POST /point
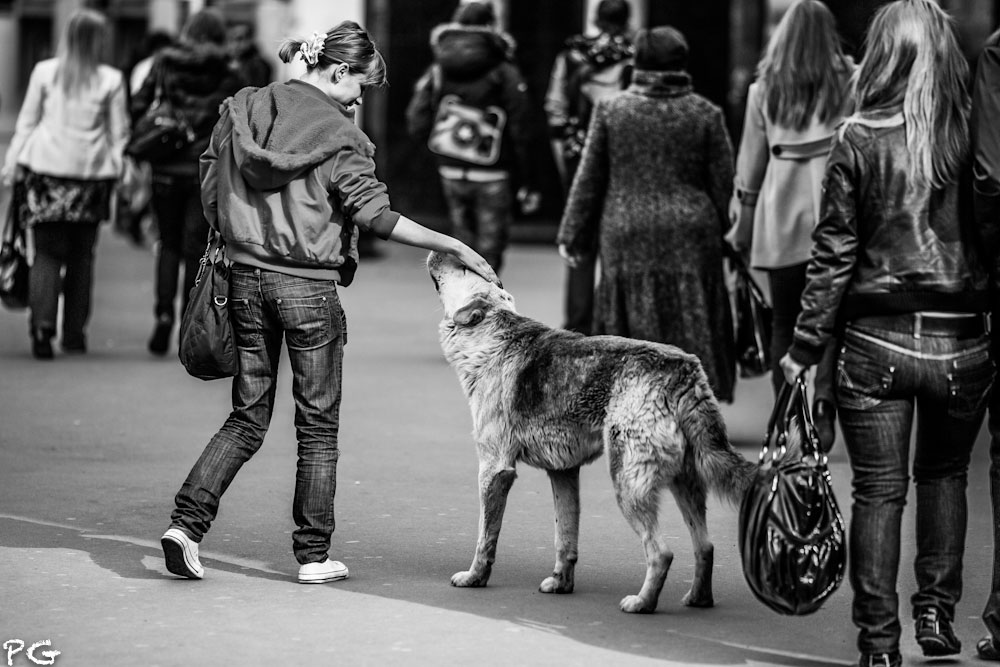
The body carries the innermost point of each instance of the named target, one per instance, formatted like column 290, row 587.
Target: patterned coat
column 652, row 189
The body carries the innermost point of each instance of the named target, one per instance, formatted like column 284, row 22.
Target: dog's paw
column 699, row 600
column 555, row 585
column 467, row 579
column 634, row 604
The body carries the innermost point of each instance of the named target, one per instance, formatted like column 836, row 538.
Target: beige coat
column 781, row 169
column 82, row 137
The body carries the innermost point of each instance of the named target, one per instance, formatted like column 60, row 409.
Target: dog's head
column 467, row 297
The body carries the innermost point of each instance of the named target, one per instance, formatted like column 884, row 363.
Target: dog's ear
column 472, row 313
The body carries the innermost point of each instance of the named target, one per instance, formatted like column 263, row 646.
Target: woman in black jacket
column 901, row 264
column 196, row 77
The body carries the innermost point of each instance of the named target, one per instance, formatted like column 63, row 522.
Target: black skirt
column 60, row 199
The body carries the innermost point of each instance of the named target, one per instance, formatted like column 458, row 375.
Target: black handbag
column 13, row 255
column 753, row 325
column 162, row 132
column 791, row 532
column 207, row 348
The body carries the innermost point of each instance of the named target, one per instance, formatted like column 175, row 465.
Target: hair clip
column 311, row 48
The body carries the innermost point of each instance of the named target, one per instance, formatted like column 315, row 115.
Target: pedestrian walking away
column 288, row 180
column 67, row 149
column 653, row 187
column 986, row 198
column 900, row 260
column 791, row 116
column 195, row 77
column 472, row 108
column 590, row 68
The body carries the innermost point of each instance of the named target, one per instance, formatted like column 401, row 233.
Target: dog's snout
column 437, row 286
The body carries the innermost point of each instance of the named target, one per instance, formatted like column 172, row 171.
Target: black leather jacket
column 884, row 244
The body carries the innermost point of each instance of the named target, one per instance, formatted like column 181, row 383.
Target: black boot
column 41, row 343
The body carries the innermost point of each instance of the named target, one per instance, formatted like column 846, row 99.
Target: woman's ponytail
column 288, row 50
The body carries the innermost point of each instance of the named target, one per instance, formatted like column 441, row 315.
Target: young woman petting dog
column 287, row 180
column 898, row 259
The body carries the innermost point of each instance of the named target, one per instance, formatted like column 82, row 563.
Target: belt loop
column 917, row 321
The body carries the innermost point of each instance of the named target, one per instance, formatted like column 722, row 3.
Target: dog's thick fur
column 557, row 400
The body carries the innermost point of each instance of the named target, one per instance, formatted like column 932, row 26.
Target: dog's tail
column 715, row 460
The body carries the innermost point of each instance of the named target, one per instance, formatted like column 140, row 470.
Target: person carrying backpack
column 588, row 69
column 471, row 107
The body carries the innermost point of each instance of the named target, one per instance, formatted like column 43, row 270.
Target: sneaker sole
column 936, row 648
column 322, row 579
column 176, row 559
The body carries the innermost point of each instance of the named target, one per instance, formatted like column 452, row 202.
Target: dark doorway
column 402, row 32
column 705, row 23
column 541, row 30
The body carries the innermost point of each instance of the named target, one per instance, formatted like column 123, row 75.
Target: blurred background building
column 725, row 38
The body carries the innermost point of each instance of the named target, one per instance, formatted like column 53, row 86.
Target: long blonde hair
column 912, row 56
column 803, row 70
column 81, row 50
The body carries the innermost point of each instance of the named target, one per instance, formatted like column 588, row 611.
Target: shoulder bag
column 207, row 347
column 13, row 254
column 163, row 131
column 791, row 533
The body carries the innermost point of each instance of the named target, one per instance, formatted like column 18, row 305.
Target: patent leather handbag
column 207, row 347
column 791, row 532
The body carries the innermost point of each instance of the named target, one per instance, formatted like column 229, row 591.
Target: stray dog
column 557, row 400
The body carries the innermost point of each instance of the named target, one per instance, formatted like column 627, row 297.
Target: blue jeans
column 481, row 215
column 884, row 372
column 265, row 307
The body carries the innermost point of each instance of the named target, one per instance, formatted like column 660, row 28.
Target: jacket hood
column 285, row 129
column 194, row 58
column 468, row 51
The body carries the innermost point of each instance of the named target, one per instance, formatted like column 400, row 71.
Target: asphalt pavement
column 93, row 447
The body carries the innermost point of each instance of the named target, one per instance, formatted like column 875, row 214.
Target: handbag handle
column 792, row 402
column 742, row 269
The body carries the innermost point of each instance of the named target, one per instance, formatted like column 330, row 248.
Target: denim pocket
column 862, row 380
column 246, row 323
column 969, row 382
column 309, row 322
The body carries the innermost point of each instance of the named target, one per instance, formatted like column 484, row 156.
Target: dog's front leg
column 495, row 480
column 566, row 496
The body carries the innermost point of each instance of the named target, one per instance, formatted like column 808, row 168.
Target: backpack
column 464, row 132
column 588, row 79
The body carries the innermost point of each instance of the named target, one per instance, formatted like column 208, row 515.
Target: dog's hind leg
column 566, row 496
column 690, row 497
column 495, row 480
column 637, row 489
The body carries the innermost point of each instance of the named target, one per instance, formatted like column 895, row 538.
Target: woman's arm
column 27, row 119
column 118, row 122
column 413, row 233
column 578, row 230
column 751, row 164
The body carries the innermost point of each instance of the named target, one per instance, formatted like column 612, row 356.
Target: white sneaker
column 181, row 554
column 322, row 573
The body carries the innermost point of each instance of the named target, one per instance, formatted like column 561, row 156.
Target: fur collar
column 660, row 84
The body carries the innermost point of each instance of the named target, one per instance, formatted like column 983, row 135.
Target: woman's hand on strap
column 791, row 368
